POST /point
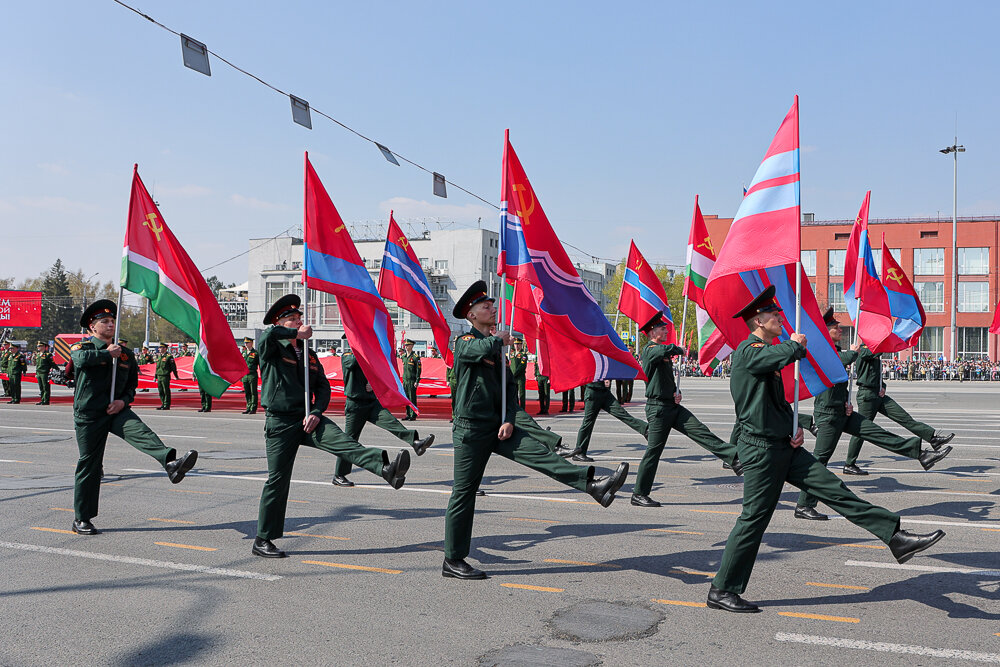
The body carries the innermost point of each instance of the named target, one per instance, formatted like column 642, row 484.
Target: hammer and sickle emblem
column 339, row 229
column 894, row 274
column 523, row 212
column 153, row 225
column 707, row 243
column 638, row 263
column 403, row 242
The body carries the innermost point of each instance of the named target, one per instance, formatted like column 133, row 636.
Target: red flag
column 642, row 294
column 906, row 316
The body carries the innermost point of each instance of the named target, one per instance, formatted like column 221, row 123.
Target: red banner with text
column 20, row 309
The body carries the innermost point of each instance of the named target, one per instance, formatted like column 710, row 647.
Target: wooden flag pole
column 114, row 341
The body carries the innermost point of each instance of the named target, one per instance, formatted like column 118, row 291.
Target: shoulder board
column 77, row 346
column 757, row 345
column 468, row 337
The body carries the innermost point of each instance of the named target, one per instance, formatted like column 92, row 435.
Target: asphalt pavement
column 171, row 580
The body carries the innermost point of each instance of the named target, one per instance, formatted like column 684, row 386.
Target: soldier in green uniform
column 165, row 365
column 96, row 413
column 4, row 354
column 450, row 375
column 250, row 379
column 16, row 367
column 43, row 366
column 206, row 398
column 569, row 399
column 146, row 357
column 664, row 412
column 544, row 389
column 834, row 415
column 872, row 400
column 772, row 455
column 288, row 424
column 598, row 397
column 480, row 430
column 361, row 406
column 411, row 378
column 519, row 368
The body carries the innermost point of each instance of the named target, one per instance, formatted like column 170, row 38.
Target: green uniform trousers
column 355, row 418
column 523, row 421
column 206, row 401
column 473, row 447
column 608, row 404
column 163, row 387
column 765, row 471
column 250, row 391
column 411, row 393
column 44, row 389
column 870, row 404
column 522, row 398
column 282, row 437
column 829, row 428
column 544, row 396
column 15, row 387
column 569, row 397
column 91, row 438
column 6, row 387
column 662, row 417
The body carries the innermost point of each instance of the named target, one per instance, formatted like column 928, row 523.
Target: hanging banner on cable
column 19, row 308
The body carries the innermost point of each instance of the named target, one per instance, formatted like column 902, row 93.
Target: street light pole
column 955, row 149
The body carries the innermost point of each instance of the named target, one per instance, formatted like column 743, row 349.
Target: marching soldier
column 16, row 367
column 544, row 393
column 834, row 415
column 165, row 365
column 598, row 397
column 519, row 368
column 664, row 412
column 872, row 400
column 479, row 431
column 43, row 366
column 772, row 455
column 96, row 413
column 288, row 425
column 250, row 379
column 361, row 406
column 411, row 377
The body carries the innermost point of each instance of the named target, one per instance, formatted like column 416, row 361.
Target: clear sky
column 620, row 113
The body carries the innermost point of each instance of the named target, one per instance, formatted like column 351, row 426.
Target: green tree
column 673, row 285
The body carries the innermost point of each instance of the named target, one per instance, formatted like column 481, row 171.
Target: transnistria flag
column 906, row 313
column 763, row 248
column 861, row 282
column 154, row 265
column 582, row 344
column 401, row 279
column 333, row 265
column 642, row 293
column 712, row 345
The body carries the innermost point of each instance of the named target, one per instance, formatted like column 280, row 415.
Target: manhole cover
column 28, row 439
column 538, row 656
column 604, row 621
column 234, row 454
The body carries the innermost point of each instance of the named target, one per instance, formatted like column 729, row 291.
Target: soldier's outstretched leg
column 891, row 409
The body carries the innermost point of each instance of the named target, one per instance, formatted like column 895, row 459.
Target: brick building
column 922, row 246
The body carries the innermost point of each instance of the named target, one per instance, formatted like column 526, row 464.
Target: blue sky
column 619, row 112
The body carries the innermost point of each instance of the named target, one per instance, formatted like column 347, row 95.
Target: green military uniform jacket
column 594, row 391
column 165, row 365
column 16, row 365
column 357, row 389
column 253, row 363
column 282, row 376
column 869, row 369
column 834, row 399
column 43, row 363
column 92, row 366
column 519, row 364
column 657, row 364
column 478, row 365
column 763, row 415
column 146, row 359
column 411, row 368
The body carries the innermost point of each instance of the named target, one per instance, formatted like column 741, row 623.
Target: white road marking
column 957, row 493
column 922, row 568
column 934, row 470
column 884, row 647
column 70, row 430
column 967, row 524
column 187, row 567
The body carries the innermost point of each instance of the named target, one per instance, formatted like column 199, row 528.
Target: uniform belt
column 660, row 401
column 868, row 386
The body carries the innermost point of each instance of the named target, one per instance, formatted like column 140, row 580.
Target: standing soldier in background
column 43, row 366
column 145, row 357
column 544, row 394
column 250, row 379
column 206, row 398
column 165, row 365
column 411, row 377
column 4, row 353
column 519, row 369
column 16, row 366
column 569, row 398
column 598, row 397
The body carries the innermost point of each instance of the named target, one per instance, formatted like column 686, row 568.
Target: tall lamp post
column 954, row 149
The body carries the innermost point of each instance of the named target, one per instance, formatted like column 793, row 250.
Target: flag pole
column 503, row 353
column 305, row 347
column 114, row 341
column 684, row 316
column 798, row 276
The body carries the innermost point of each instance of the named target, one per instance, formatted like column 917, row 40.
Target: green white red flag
column 712, row 346
column 155, row 265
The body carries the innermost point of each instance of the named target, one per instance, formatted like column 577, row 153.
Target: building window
column 835, row 297
column 396, row 313
column 974, row 261
column 928, row 261
column 809, row 262
column 896, row 253
column 973, row 297
column 836, row 259
column 931, row 342
column 931, row 295
column 275, row 291
column 842, row 236
column 928, row 235
column 973, row 341
column 440, row 264
column 322, row 309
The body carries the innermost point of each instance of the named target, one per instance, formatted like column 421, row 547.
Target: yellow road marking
column 304, row 502
column 687, row 571
column 53, row 530
column 61, row 509
column 995, row 530
column 352, row 567
column 153, row 518
column 682, row 603
column 517, row 518
column 185, row 546
column 844, row 544
column 853, row 588
column 16, row 461
column 581, row 562
column 204, row 493
column 821, row 617
column 680, row 532
column 713, row 511
column 544, row 589
column 325, row 537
